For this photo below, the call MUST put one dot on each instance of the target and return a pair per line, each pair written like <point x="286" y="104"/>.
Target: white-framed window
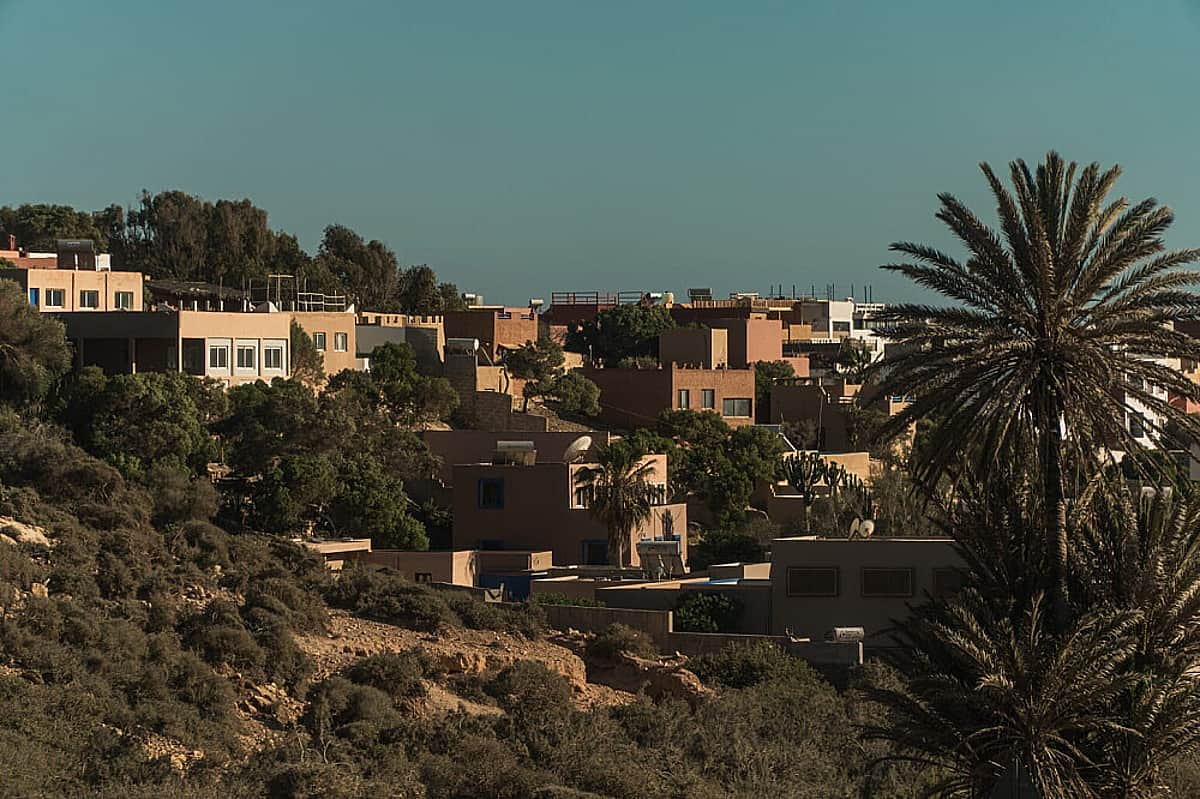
<point x="272" y="357"/>
<point x="246" y="356"/>
<point x="89" y="298"/>
<point x="708" y="399"/>
<point x="123" y="300"/>
<point x="218" y="357"/>
<point x="319" y="340"/>
<point x="341" y="342"/>
<point x="685" y="399"/>
<point x="56" y="298"/>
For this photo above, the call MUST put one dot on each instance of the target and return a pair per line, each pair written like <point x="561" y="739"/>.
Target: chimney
<point x="12" y="242"/>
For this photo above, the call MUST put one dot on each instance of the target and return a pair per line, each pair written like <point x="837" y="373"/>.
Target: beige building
<point x="65" y="290"/>
<point x="231" y="347"/>
<point x="457" y="567"/>
<point x="333" y="332"/>
<point x="821" y="583"/>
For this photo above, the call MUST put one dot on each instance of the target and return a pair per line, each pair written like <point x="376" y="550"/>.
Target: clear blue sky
<point x="519" y="147"/>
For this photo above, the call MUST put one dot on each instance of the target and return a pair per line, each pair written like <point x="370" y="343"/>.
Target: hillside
<point x="145" y="657"/>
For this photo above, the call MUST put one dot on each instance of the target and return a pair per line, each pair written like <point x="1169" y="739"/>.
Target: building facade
<point x="632" y="398"/>
<point x="69" y="290"/>
<point x="545" y="506"/>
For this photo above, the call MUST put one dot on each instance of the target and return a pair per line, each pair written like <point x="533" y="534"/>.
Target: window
<point x="946" y="582"/>
<point x="123" y="300"/>
<point x="585" y="495"/>
<point x="273" y="357"/>
<point x="841" y="327"/>
<point x="594" y="552"/>
<point x="218" y="357"/>
<point x="89" y="299"/>
<point x="56" y="298"/>
<point x="319" y="340"/>
<point x="735" y="407"/>
<point x="685" y="398"/>
<point x="887" y="582"/>
<point x="491" y="493"/>
<point x="806" y="581"/>
<point x="708" y="399"/>
<point x="423" y="577"/>
<point x="341" y="342"/>
<point x="34" y="299"/>
<point x="1137" y="425"/>
<point x="245" y="357"/>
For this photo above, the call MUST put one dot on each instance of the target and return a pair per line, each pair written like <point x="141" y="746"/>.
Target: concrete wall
<point x="658" y="625"/>
<point x="697" y="347"/>
<point x="72" y="282"/>
<point x="812" y="617"/>
<point x="752" y="340"/>
<point x="455" y="567"/>
<point x="803" y="402"/>
<point x="331" y="324"/>
<point x="478" y="446"/>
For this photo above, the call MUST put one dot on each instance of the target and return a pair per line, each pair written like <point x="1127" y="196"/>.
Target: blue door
<point x="34" y="299"/>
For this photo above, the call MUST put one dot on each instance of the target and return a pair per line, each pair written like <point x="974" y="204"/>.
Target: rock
<point x="40" y="590"/>
<point x="22" y="533"/>
<point x="461" y="662"/>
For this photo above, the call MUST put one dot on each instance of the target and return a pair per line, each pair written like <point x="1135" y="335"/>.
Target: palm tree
<point x="1060" y="326"/>
<point x="1094" y="707"/>
<point x="622" y="496"/>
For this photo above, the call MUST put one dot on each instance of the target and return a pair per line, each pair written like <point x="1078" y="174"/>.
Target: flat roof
<point x="898" y="538"/>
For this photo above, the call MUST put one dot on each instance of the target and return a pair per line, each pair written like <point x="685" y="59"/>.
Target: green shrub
<point x="618" y="638"/>
<point x="398" y="674"/>
<point x="698" y="612"/>
<point x="563" y="599"/>
<point x="520" y="619"/>
<point x="748" y="665"/>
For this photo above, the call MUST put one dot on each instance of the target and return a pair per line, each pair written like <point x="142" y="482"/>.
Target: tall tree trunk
<point x="1056" y="515"/>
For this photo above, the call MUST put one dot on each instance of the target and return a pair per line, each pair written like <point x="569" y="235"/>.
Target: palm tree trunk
<point x="1056" y="515"/>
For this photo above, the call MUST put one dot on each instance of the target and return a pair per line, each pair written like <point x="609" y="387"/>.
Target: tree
<point x="139" y="421"/>
<point x="39" y="227"/>
<point x="626" y="331"/>
<point x="540" y="364"/>
<point x="368" y="270"/>
<point x="33" y="349"/>
<point x="1059" y="325"/>
<point x="854" y="360"/>
<point x="766" y="375"/>
<point x="622" y="498"/>
<point x="308" y="365"/>
<point x="708" y="459"/>
<point x="1091" y="707"/>
<point x="576" y="395"/>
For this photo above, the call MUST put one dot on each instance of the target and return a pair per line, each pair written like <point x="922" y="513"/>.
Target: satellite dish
<point x="577" y="448"/>
<point x="866" y="528"/>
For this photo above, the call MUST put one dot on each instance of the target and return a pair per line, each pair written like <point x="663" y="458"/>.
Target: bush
<point x="398" y="674"/>
<point x="563" y="599"/>
<point x="748" y="665"/>
<point x="619" y="638"/>
<point x="520" y="619"/>
<point x="698" y="612"/>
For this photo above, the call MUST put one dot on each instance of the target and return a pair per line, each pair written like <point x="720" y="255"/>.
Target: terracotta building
<point x="496" y="328"/>
<point x="543" y="505"/>
<point x="633" y="398"/>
